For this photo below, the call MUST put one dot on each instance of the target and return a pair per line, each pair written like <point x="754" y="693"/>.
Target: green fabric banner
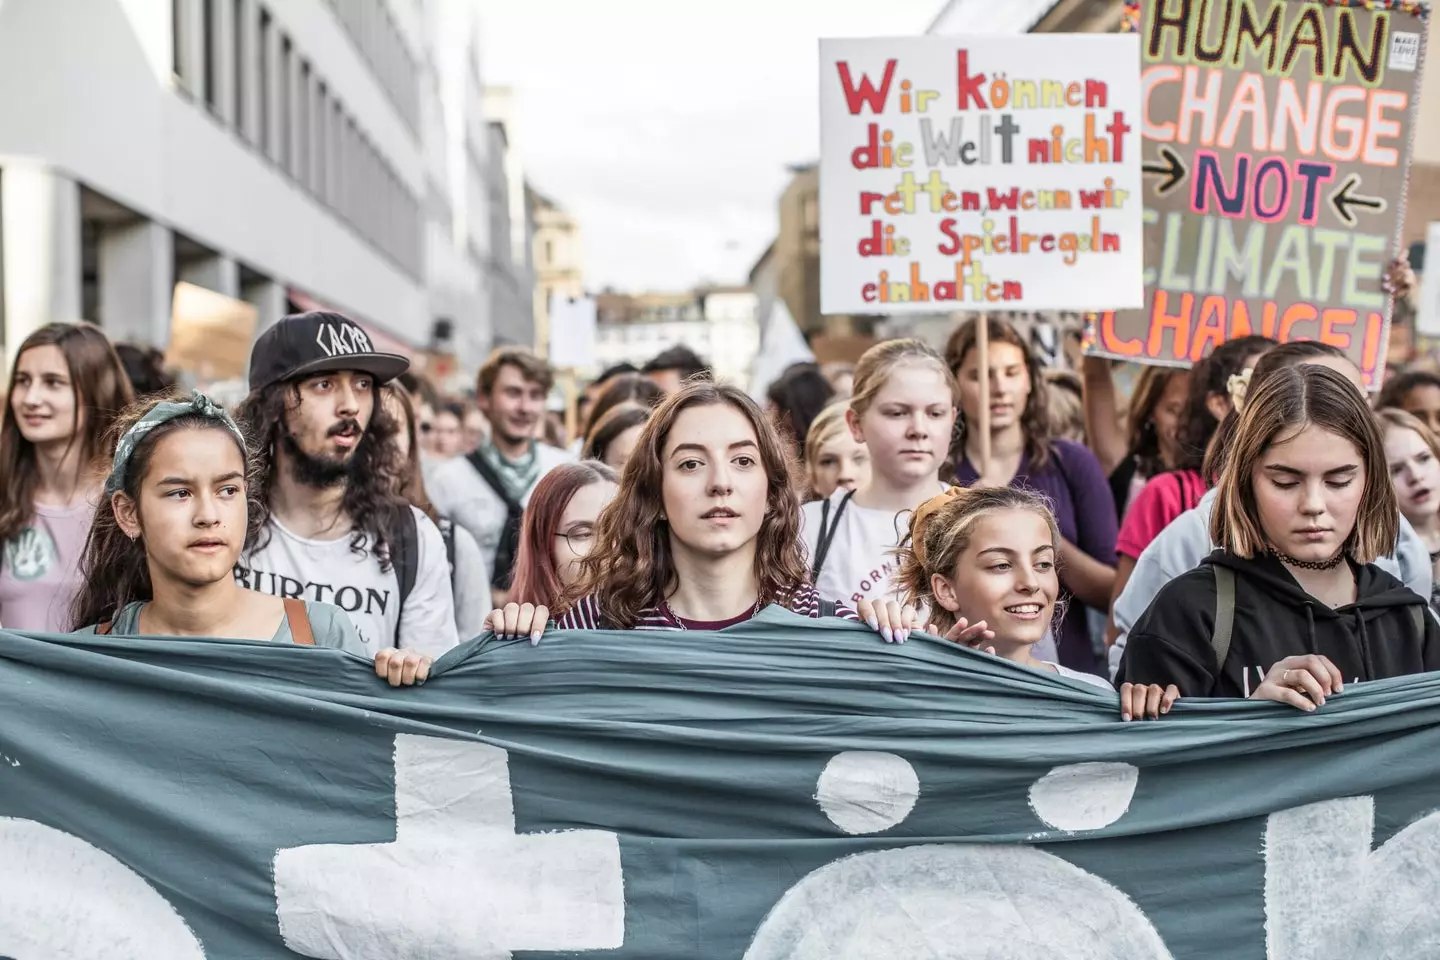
<point x="784" y="790"/>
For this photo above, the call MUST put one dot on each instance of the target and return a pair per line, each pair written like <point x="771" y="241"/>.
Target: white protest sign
<point x="572" y="332"/>
<point x="978" y="173"/>
<point x="1427" y="318"/>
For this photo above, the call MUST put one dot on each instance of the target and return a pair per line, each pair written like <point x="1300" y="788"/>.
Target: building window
<point x="302" y="125"/>
<point x="238" y="75"/>
<point x="211" y="73"/>
<point x="177" y="35"/>
<point x="322" y="141"/>
<point x="282" y="80"/>
<point x="267" y="84"/>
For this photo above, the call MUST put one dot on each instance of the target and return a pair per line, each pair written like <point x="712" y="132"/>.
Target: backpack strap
<point x="405" y="558"/>
<point x="827" y="533"/>
<point x="1417" y="617"/>
<point x="829" y="608"/>
<point x="298" y="619"/>
<point x="1224" y="614"/>
<point x="447" y="533"/>
<point x="508" y="546"/>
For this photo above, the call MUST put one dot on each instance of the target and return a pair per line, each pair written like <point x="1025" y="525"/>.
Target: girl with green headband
<point x="176" y="515"/>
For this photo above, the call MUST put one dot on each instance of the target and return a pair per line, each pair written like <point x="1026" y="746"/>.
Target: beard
<point x="321" y="471"/>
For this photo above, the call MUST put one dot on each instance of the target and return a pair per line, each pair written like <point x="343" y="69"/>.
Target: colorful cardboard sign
<point x="1277" y="142"/>
<point x="977" y="173"/>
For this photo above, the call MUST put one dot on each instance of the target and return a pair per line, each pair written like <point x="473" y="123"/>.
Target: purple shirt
<point x="1079" y="493"/>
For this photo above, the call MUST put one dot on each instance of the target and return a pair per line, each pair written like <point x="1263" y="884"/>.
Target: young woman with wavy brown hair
<point x="703" y="533"/>
<point x="66" y="388"/>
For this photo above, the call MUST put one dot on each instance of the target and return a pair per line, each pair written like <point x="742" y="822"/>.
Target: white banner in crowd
<point x="572" y="332"/>
<point x="1427" y="318"/>
<point x="980" y="173"/>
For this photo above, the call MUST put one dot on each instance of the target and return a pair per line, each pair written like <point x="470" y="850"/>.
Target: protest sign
<point x="1277" y="150"/>
<point x="787" y="789"/>
<point x="1427" y="317"/>
<point x="967" y="173"/>
<point x="210" y="333"/>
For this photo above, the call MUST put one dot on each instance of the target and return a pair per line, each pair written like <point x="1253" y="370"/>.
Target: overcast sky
<point x="665" y="126"/>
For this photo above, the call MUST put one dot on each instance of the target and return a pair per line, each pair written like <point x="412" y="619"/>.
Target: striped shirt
<point x="585" y="615"/>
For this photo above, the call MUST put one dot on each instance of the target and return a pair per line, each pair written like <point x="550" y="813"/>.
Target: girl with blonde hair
<point x="984" y="561"/>
<point x="903" y="409"/>
<point x="1024" y="454"/>
<point x="1413" y="454"/>
<point x="834" y="459"/>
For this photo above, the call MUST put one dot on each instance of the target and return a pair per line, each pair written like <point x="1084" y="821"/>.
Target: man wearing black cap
<point x="335" y="529"/>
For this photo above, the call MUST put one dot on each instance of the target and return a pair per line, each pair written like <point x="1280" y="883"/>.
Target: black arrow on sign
<point x="1344" y="198"/>
<point x="1173" y="169"/>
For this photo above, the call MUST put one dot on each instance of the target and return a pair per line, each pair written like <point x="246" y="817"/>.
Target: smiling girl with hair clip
<point x="984" y="561"/>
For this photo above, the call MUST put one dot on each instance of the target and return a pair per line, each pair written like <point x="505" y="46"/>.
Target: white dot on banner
<point x="866" y="792"/>
<point x="1084" y="796"/>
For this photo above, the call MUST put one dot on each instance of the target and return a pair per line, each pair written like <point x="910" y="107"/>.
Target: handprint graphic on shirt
<point x="30" y="554"/>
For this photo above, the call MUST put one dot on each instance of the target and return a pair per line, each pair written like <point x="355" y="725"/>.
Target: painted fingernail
<point x="874" y="624"/>
<point x="1125" y="717"/>
<point x="888" y="634"/>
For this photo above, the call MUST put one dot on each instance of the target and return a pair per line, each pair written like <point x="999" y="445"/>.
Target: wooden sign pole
<point x="982" y="427"/>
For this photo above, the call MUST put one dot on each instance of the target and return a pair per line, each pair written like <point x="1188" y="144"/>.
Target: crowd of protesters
<point x="1249" y="527"/>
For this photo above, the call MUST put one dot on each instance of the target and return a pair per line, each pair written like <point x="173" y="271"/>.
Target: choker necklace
<point x="1434" y="555"/>
<point x="1330" y="564"/>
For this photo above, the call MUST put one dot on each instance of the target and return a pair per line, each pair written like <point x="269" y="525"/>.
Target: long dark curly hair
<point x="372" y="499"/>
<point x="1211" y="376"/>
<point x="1035" y="421"/>
<point x="631" y="567"/>
<point x="114" y="569"/>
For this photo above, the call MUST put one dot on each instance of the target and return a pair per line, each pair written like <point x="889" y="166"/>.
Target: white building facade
<point x="719" y="324"/>
<point x="284" y="152"/>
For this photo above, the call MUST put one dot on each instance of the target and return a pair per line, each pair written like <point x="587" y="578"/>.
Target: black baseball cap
<point x="306" y="344"/>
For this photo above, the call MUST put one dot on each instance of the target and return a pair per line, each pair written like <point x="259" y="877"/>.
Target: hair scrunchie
<point x="920" y="520"/>
<point x="1239" y="385"/>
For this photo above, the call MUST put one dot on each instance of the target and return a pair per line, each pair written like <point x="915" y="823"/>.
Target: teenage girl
<point x="703" y="532"/>
<point x="160" y="559"/>
<point x="834" y="459"/>
<point x="559" y="531"/>
<point x="903" y="411"/>
<point x="1413" y="455"/>
<point x="1023" y="454"/>
<point x="66" y="388"/>
<point x="1291" y="607"/>
<point x="983" y="561"/>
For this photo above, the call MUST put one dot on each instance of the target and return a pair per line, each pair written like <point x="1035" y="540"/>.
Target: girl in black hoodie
<point x="1290" y="608"/>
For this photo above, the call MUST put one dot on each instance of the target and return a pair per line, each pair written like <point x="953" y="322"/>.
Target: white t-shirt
<point x="861" y="563"/>
<point x="329" y="571"/>
<point x="1089" y="678"/>
<point x="461" y="494"/>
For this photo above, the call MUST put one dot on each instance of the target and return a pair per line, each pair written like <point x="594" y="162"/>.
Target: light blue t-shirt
<point x="1186" y="541"/>
<point x="330" y="625"/>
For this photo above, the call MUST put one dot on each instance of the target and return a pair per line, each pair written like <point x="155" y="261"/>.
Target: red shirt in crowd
<point x="1164" y="498"/>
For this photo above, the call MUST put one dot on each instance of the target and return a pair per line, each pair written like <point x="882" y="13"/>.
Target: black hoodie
<point x="1370" y="639"/>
